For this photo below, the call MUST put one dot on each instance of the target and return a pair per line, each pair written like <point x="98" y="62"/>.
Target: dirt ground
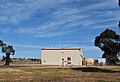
<point x="39" y="73"/>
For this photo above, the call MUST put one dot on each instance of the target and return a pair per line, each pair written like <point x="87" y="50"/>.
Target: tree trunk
<point x="7" y="59"/>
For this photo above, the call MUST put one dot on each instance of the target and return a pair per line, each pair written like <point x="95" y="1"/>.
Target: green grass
<point x="57" y="74"/>
<point x="54" y="70"/>
<point x="100" y="81"/>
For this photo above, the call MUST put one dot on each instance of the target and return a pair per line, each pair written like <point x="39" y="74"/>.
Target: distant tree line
<point x="31" y="59"/>
<point x="34" y="59"/>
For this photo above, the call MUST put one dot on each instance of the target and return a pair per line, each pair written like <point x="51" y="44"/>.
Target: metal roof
<point x="61" y="48"/>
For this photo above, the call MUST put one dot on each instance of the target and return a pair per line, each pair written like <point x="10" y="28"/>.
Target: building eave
<point x="61" y="48"/>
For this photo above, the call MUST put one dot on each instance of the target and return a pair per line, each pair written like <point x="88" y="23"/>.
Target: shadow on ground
<point x="91" y="69"/>
<point x="11" y="66"/>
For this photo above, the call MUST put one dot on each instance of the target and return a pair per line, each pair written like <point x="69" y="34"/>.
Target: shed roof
<point x="61" y="48"/>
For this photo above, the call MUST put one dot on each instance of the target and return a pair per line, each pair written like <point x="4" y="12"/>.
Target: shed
<point x="88" y="61"/>
<point x="61" y="56"/>
<point x="102" y="61"/>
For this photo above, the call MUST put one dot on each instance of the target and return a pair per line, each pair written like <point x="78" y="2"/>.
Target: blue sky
<point x="30" y="25"/>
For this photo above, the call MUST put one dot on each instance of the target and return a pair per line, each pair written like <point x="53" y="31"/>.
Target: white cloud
<point x="90" y="48"/>
<point x="51" y="34"/>
<point x="66" y="18"/>
<point x="43" y="31"/>
<point x="85" y="41"/>
<point x="85" y="48"/>
<point x="62" y="12"/>
<point x="3" y="18"/>
<point x="102" y="5"/>
<point x="15" y="12"/>
<point x="28" y="52"/>
<point x="77" y="19"/>
<point x="25" y="31"/>
<point x="27" y="46"/>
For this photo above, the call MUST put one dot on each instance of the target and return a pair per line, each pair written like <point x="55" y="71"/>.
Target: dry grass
<point x="56" y="74"/>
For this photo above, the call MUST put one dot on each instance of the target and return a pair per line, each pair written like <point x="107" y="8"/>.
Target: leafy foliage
<point x="119" y="2"/>
<point x="1" y="43"/>
<point x="109" y="42"/>
<point x="8" y="50"/>
<point x="119" y="24"/>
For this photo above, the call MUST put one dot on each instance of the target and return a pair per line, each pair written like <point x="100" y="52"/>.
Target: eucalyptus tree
<point x="109" y="42"/>
<point x="119" y="24"/>
<point x="8" y="50"/>
<point x="119" y="2"/>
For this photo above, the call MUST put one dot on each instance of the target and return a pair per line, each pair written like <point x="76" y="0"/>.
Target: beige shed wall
<point x="54" y="57"/>
<point x="88" y="61"/>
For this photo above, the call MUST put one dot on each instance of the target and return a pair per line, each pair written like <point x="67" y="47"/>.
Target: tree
<point x="3" y="59"/>
<point x="1" y="43"/>
<point x="119" y="24"/>
<point x="8" y="50"/>
<point x="119" y="2"/>
<point x="109" y="42"/>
